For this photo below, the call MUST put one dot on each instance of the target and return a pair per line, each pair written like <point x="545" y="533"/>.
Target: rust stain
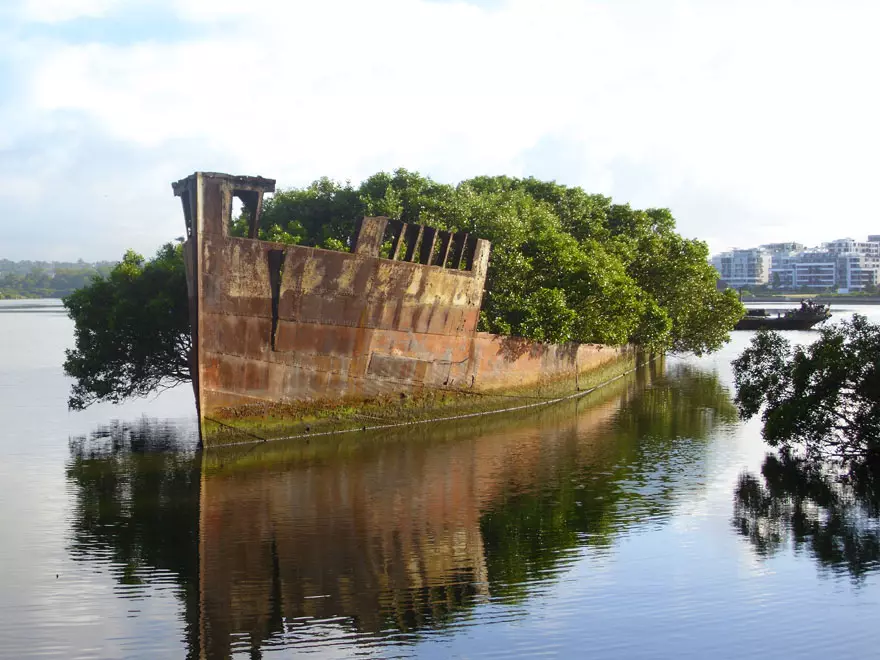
<point x="282" y="323"/>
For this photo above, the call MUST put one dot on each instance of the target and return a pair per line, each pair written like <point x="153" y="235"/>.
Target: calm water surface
<point x="606" y="528"/>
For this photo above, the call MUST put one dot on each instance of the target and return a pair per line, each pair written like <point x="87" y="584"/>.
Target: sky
<point x="753" y="121"/>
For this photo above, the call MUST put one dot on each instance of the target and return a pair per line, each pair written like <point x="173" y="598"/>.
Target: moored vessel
<point x="801" y="318"/>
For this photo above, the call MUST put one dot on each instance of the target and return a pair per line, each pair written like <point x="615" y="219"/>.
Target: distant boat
<point x="803" y="318"/>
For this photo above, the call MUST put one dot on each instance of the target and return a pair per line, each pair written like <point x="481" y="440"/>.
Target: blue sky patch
<point x="141" y="24"/>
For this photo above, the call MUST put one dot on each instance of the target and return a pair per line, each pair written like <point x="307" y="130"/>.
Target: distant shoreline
<point x="53" y="296"/>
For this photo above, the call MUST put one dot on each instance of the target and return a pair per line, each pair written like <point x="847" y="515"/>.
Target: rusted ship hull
<point x="275" y="323"/>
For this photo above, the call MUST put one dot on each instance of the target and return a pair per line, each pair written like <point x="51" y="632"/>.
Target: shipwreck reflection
<point x="373" y="539"/>
<point x="806" y="506"/>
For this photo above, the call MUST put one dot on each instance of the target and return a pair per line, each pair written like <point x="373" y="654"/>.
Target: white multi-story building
<point x="814" y="269"/>
<point x="856" y="272"/>
<point x="849" y="246"/>
<point x="782" y="256"/>
<point x="739" y="268"/>
<point x="858" y="262"/>
<point x="843" y="264"/>
<point x="782" y="269"/>
<point x="783" y="248"/>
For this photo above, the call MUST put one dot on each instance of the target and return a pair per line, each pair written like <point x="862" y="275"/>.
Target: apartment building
<point x="783" y="256"/>
<point x="742" y="268"/>
<point x="868" y="248"/>
<point x="843" y="264"/>
<point x="814" y="269"/>
<point x="858" y="262"/>
<point x="789" y="247"/>
<point x="856" y="272"/>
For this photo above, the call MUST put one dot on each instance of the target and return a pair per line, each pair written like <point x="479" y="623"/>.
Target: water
<point x="608" y="527"/>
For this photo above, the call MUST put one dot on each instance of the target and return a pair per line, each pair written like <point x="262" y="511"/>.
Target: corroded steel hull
<point x="277" y="324"/>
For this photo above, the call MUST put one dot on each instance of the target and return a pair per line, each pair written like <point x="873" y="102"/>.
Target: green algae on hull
<point x="278" y="452"/>
<point x="261" y="422"/>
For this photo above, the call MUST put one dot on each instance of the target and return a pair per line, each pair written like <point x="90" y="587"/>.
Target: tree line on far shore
<point x="46" y="279"/>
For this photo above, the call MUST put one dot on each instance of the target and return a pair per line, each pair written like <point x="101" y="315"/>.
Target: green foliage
<point x="565" y="265"/>
<point x="131" y="330"/>
<point x="822" y="398"/>
<point x="547" y="316"/>
<point x="321" y="215"/>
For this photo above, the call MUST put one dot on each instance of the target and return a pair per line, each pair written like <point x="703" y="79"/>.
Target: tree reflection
<point x="136" y="511"/>
<point x="384" y="536"/>
<point x="836" y="518"/>
<point x="650" y="452"/>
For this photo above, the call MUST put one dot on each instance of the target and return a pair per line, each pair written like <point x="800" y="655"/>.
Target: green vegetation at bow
<point x="131" y="330"/>
<point x="46" y="279"/>
<point x="565" y="265"/>
<point x="822" y="399"/>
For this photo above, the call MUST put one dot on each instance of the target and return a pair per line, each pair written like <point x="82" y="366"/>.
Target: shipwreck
<point x="283" y="329"/>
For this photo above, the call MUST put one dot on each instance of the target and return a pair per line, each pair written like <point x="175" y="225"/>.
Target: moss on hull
<point x="260" y="422"/>
<point x="281" y="454"/>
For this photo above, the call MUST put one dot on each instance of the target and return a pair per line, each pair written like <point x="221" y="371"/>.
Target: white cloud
<point x="737" y="115"/>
